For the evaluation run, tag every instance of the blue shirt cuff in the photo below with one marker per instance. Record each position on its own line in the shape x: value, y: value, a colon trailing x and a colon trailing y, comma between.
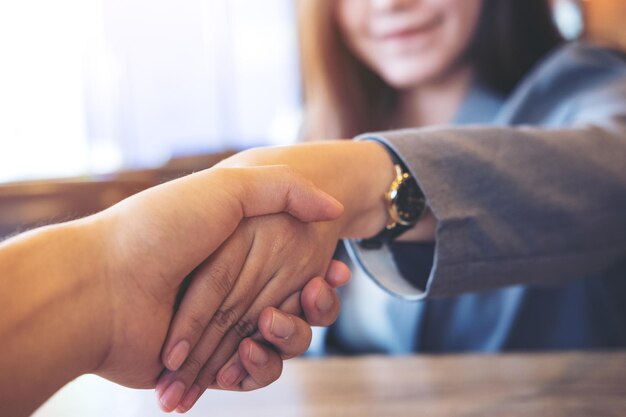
x: 381, y: 267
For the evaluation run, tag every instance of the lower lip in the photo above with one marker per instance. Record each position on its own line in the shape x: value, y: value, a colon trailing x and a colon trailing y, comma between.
x: 410, y: 35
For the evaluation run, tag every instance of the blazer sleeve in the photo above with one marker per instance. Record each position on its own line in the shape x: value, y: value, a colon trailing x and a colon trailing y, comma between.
x: 518, y: 205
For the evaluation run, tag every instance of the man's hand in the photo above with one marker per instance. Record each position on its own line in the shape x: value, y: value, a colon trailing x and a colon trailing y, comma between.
x: 157, y: 238
x: 283, y: 333
x: 266, y: 262
x: 97, y: 295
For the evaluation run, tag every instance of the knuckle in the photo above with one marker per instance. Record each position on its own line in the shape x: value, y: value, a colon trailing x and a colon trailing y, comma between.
x: 225, y: 318
x: 222, y: 284
x: 196, y: 324
x: 244, y: 328
x: 219, y: 278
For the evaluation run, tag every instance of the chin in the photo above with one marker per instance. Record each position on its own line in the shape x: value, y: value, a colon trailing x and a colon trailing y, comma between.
x: 402, y: 80
x: 410, y: 73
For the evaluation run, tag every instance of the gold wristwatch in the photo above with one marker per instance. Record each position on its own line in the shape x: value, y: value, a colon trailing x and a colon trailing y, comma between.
x: 405, y: 204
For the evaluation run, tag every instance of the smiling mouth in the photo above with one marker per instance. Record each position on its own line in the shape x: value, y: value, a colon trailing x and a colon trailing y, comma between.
x: 411, y: 31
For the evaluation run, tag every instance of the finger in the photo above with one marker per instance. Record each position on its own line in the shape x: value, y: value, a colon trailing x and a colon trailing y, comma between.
x: 168, y: 393
x: 251, y: 371
x: 319, y: 300
x: 213, y: 367
x: 274, y: 324
x: 227, y: 318
x: 249, y: 295
x: 235, y: 319
x: 273, y: 294
x: 259, y: 365
x: 320, y: 303
x: 256, y: 372
x: 173, y: 385
x: 263, y: 364
x: 338, y: 274
x: 254, y: 365
x: 215, y: 201
x: 287, y: 333
x: 229, y: 341
x: 210, y: 284
x: 280, y: 188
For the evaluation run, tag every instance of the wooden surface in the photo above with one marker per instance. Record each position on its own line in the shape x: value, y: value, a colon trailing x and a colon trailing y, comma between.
x: 557, y: 384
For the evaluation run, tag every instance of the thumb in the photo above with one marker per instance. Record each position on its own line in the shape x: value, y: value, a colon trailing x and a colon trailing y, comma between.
x: 279, y: 188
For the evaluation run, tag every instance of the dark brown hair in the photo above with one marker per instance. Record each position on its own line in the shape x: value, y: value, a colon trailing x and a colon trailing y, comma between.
x: 511, y: 37
x: 343, y: 97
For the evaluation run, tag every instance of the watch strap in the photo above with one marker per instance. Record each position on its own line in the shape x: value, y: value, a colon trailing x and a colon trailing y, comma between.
x: 384, y: 236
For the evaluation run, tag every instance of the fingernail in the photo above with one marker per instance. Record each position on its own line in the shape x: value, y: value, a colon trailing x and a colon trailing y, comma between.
x: 172, y: 395
x: 325, y: 300
x: 164, y: 382
x: 258, y: 355
x: 232, y: 375
x: 282, y: 325
x: 178, y: 355
x: 190, y: 399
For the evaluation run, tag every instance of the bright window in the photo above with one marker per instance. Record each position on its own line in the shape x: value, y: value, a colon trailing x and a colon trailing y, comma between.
x: 94, y: 85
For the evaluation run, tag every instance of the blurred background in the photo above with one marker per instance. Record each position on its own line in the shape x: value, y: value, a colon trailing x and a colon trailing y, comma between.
x: 94, y: 86
x: 98, y: 85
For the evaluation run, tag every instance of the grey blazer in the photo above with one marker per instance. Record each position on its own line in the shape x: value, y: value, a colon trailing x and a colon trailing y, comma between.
x: 530, y: 200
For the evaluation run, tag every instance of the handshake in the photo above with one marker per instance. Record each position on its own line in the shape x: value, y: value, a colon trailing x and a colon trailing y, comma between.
x: 228, y: 263
x: 207, y: 281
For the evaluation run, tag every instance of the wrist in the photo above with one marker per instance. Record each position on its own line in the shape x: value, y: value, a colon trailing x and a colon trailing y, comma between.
x: 372, y: 175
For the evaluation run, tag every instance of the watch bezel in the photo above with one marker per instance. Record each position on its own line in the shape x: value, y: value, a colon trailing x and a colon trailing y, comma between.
x: 403, y: 180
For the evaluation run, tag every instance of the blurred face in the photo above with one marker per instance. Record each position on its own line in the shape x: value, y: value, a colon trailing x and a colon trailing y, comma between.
x: 408, y: 42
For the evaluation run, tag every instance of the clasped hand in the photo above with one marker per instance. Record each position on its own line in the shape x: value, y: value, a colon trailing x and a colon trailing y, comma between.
x: 265, y: 262
x: 248, y: 306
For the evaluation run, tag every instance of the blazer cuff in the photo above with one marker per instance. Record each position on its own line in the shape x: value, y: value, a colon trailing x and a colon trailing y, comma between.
x: 379, y: 264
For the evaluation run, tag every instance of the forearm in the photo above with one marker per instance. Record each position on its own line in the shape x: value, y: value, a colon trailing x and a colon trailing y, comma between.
x: 53, y: 325
x: 519, y: 205
x: 97, y: 295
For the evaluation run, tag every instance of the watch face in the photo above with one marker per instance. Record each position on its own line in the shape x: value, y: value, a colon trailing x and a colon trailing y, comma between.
x: 409, y: 201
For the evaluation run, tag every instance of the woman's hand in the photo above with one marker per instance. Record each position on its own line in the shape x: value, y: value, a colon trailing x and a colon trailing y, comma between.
x: 266, y: 262
x: 356, y: 173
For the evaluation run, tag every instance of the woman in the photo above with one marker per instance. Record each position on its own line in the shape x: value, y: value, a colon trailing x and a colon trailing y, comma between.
x: 395, y: 64
x: 525, y: 210
x: 362, y: 61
